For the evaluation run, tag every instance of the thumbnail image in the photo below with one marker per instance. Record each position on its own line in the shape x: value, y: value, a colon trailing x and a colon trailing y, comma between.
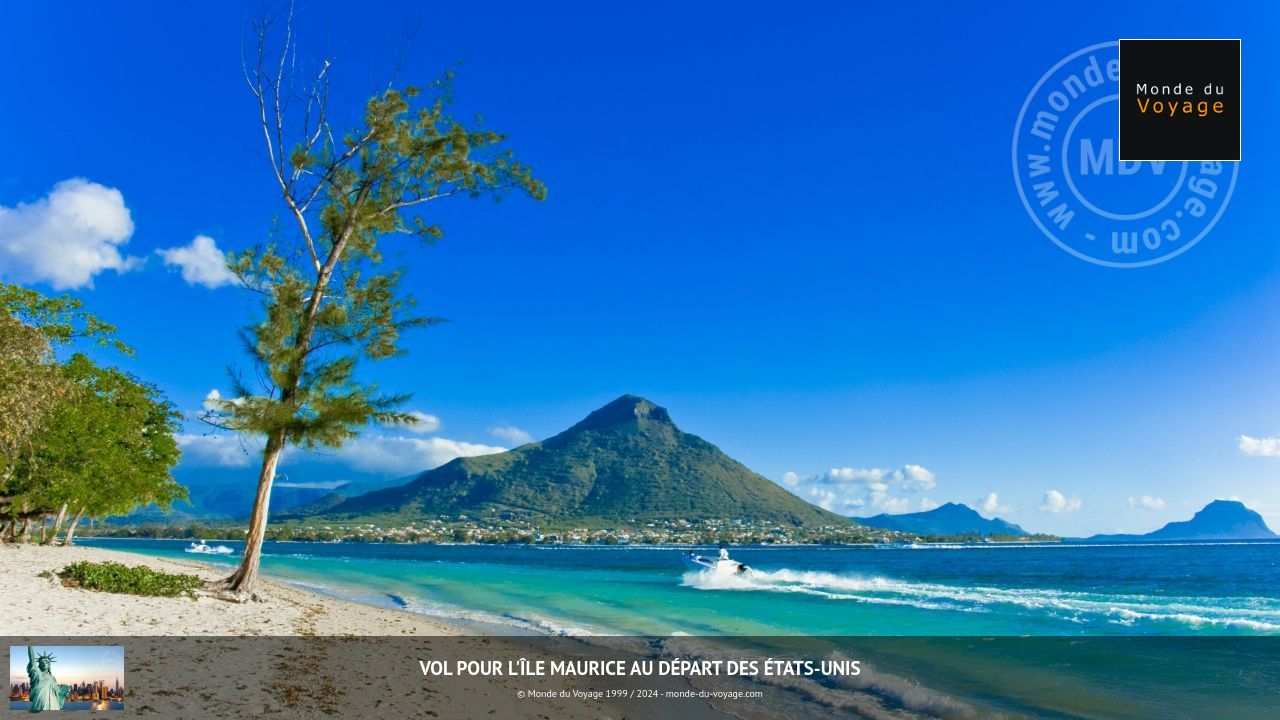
x: 68, y: 677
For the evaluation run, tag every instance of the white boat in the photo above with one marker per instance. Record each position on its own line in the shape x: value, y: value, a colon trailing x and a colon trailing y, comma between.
x: 719, y: 565
x: 203, y: 548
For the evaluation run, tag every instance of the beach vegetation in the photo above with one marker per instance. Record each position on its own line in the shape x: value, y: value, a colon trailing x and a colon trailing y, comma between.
x: 130, y: 580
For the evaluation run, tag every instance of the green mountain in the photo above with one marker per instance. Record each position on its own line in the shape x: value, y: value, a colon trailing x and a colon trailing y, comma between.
x: 624, y: 463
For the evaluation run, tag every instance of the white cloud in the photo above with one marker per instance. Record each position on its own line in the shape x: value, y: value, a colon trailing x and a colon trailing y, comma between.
x: 214, y: 402
x: 222, y: 450
x: 1260, y: 447
x: 396, y: 455
x: 201, y: 262
x: 991, y: 505
x: 426, y: 423
x: 66, y: 238
x: 919, y: 478
x: 511, y: 434
x: 1057, y: 503
x: 391, y: 455
x: 1147, y: 502
x: 865, y: 491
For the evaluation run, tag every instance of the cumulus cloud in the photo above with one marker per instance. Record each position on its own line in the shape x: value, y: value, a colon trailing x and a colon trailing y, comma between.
x: 66, y: 238
x: 991, y: 505
x: 214, y: 402
x: 426, y: 424
x: 201, y: 262
x: 1260, y: 447
x: 397, y: 455
x: 511, y: 434
x: 391, y: 455
x: 865, y: 491
x: 1058, y: 504
x: 222, y: 450
x: 1147, y: 502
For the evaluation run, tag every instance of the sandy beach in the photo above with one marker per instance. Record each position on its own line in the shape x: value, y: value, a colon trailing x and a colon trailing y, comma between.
x: 34, y: 605
x: 286, y: 656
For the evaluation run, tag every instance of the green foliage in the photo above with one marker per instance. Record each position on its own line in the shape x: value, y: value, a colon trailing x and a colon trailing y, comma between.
x: 329, y: 300
x: 30, y: 387
x: 625, y: 463
x: 118, y: 578
x: 105, y: 449
x: 62, y: 320
x: 75, y: 436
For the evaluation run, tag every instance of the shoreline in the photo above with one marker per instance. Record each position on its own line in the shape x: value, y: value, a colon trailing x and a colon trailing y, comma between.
x: 304, y: 632
x: 41, y: 606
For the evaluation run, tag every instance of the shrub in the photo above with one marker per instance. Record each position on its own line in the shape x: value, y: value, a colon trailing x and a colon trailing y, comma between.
x: 117, y: 578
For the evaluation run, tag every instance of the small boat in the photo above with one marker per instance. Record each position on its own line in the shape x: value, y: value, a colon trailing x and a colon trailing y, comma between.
x: 203, y: 548
x: 719, y: 565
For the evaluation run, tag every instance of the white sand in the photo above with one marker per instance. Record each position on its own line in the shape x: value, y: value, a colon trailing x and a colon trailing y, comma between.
x: 32, y: 605
x: 295, y: 671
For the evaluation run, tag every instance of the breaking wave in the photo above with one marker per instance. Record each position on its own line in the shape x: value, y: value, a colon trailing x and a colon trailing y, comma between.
x: 1136, y: 612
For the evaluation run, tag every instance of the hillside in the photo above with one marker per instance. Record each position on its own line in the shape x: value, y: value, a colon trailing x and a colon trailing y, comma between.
x: 1219, y: 520
x: 626, y: 462
x: 948, y: 519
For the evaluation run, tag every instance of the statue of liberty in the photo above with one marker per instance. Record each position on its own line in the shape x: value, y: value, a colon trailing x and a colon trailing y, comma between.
x: 46, y: 693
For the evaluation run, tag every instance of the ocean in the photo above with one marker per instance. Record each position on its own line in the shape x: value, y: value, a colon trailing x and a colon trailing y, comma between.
x: 1054, y: 631
x: 1216, y: 588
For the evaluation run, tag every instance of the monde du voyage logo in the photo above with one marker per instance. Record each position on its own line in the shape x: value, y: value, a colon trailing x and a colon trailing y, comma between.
x: 1123, y: 178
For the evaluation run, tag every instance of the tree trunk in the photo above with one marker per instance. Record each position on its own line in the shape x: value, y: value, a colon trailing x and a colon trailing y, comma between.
x: 57, y: 526
x: 244, y: 579
x: 26, y: 530
x: 71, y: 529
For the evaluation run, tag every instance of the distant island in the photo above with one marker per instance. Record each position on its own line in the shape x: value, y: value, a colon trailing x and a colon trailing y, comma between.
x: 949, y: 519
x: 1219, y: 520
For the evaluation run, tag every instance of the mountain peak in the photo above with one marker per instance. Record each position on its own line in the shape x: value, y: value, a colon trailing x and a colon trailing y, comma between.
x: 625, y: 463
x: 948, y: 519
x: 1219, y: 520
x: 625, y: 409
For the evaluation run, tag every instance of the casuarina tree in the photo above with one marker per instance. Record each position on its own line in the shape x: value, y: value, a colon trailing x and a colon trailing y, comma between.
x: 329, y: 300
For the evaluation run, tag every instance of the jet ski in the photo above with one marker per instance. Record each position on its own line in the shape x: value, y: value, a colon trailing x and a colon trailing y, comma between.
x: 203, y: 548
x: 718, y: 565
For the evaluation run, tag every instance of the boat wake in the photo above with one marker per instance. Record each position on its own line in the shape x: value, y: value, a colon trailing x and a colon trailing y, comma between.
x: 1136, y: 613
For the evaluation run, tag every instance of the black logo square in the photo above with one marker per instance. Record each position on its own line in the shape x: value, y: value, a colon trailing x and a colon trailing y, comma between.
x: 1179, y: 100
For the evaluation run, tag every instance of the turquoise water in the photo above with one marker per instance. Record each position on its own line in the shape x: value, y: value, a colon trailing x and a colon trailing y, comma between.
x: 1042, y: 590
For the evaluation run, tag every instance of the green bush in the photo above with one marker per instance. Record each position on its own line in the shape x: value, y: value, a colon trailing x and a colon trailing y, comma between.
x: 117, y: 578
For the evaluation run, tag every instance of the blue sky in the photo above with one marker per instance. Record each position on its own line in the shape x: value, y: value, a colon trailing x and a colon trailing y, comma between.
x: 73, y: 664
x: 794, y: 227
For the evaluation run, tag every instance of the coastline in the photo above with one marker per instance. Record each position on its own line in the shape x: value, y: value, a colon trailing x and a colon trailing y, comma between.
x: 34, y: 605
x: 302, y: 641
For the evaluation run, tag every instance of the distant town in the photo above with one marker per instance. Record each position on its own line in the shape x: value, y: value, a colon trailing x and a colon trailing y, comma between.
x: 505, y: 529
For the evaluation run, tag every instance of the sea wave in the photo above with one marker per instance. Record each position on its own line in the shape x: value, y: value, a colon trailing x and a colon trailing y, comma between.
x: 533, y: 624
x: 1138, y: 612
